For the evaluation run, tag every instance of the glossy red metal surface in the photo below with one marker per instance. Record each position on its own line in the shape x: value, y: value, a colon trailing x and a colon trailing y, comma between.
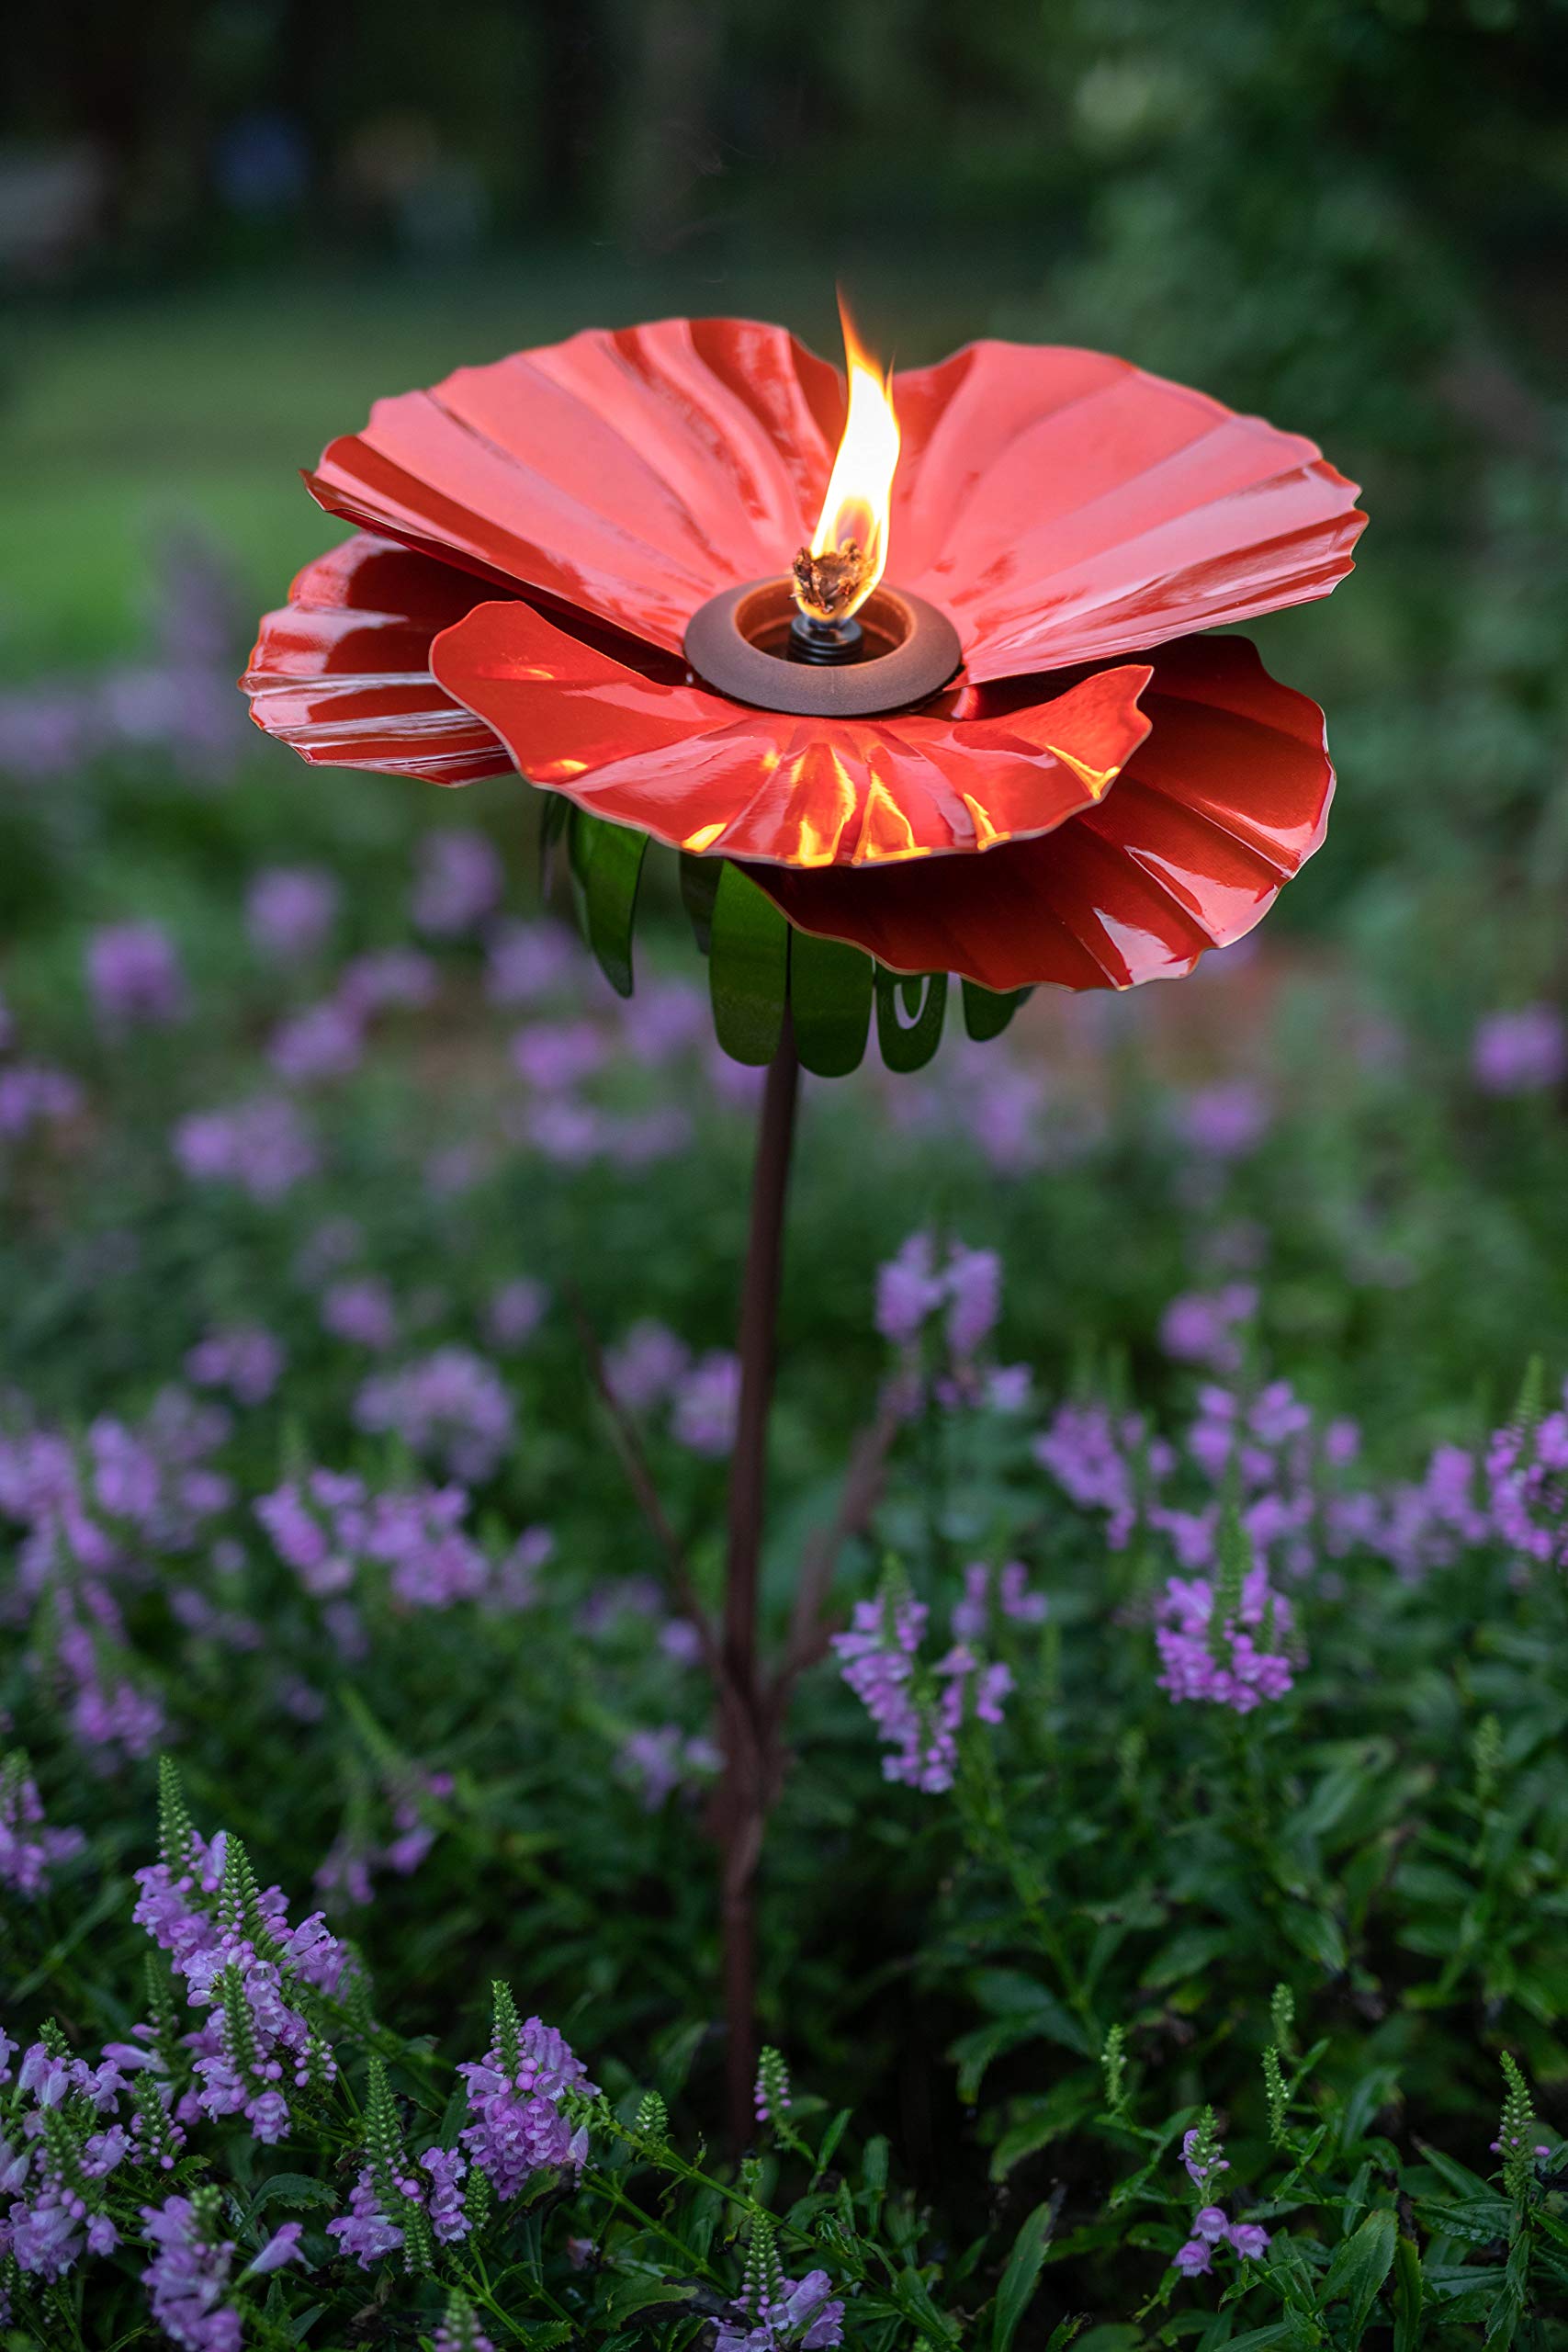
x: 1063, y: 506
x: 629, y: 475
x: 1224, y: 802
x: 723, y: 779
x: 1059, y: 505
x: 342, y: 672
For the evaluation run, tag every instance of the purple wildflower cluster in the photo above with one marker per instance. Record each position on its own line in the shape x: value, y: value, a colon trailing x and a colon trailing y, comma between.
x: 361, y: 1310
x: 1228, y: 1660
x: 67, y: 2126
x: 1212, y: 2228
x: 795, y: 2315
x: 643, y: 1367
x: 427, y: 2191
x: 771, y: 2092
x: 290, y: 910
x: 1520, y: 1052
x: 188, y: 2278
x: 553, y: 1056
x: 557, y: 1054
x: 1299, y: 1505
x: 620, y: 1603
x: 325, y: 1041
x: 134, y: 977
x: 707, y: 1403
x: 529, y: 962
x: 459, y: 2330
x: 514, y: 1312
x: 33, y: 1095
x: 664, y: 1759
x: 263, y: 1146
x: 245, y: 1359
x: 1226, y: 1121
x: 94, y: 1513
x: 30, y: 1851
x: 344, y: 1877
x: 250, y: 1971
x: 518, y: 2096
x: 912, y: 1288
x: 53, y: 2172
x: 948, y: 1307
x: 918, y: 1711
x: 998, y: 1102
x: 329, y: 1524
x: 451, y: 1407
x: 458, y: 880
x: 1526, y: 1486
x: 387, y: 979
x: 649, y: 1368
x: 1003, y: 1591
x: 1203, y: 1327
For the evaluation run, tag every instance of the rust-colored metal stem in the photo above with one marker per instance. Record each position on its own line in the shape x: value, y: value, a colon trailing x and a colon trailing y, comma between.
x: 746, y: 1717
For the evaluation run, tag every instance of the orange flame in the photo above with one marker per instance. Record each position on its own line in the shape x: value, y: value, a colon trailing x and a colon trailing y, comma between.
x: 860, y: 488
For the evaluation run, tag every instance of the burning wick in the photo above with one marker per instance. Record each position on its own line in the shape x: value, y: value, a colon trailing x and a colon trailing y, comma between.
x: 833, y: 576
x: 827, y: 587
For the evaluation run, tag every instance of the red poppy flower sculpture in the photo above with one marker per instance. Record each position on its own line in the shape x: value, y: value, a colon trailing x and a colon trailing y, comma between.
x: 1093, y: 798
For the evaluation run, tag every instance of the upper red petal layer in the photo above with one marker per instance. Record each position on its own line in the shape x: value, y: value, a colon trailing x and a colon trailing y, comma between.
x: 719, y: 778
x: 632, y: 474
x: 342, y: 672
x: 1224, y: 802
x: 1063, y: 506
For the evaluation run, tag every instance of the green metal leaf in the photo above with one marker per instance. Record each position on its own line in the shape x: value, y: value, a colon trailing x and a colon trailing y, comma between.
x: 699, y: 885
x: 611, y: 868
x: 747, y: 968
x: 829, y: 999
x: 579, y: 841
x: 578, y: 838
x: 908, y: 1043
x: 555, y: 816
x: 986, y: 1015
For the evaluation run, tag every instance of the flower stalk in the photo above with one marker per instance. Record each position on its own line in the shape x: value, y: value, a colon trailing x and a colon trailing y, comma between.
x: 747, y: 1719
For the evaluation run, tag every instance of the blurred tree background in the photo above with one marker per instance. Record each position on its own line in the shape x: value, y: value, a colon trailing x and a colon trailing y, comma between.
x: 223, y: 228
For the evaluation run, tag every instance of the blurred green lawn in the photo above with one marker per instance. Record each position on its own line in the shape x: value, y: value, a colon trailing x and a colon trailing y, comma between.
x: 200, y: 407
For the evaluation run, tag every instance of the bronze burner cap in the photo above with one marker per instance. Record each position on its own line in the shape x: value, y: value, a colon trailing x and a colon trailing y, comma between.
x: 739, y: 644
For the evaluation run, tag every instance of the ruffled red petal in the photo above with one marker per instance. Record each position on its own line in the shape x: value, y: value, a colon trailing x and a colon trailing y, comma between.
x: 632, y: 475
x: 1224, y: 802
x: 1061, y: 506
x: 719, y: 778
x: 342, y: 672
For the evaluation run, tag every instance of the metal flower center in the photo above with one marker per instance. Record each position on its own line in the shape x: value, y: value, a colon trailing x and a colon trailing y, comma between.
x: 753, y: 645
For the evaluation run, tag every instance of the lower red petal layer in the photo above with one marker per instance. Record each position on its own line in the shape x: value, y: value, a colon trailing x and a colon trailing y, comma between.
x: 342, y: 672
x: 722, y: 779
x: 1223, y: 803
